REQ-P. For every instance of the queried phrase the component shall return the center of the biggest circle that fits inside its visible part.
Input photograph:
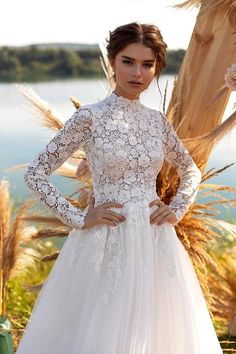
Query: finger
(158, 212)
(170, 217)
(161, 218)
(166, 219)
(156, 202)
(91, 202)
(171, 220)
(114, 215)
(108, 221)
(112, 204)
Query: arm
(75, 133)
(190, 175)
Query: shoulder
(84, 114)
(81, 118)
(92, 109)
(156, 115)
(162, 119)
(152, 111)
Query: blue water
(22, 136)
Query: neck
(120, 92)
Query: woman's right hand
(101, 215)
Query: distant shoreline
(40, 62)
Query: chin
(135, 90)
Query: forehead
(137, 51)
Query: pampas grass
(50, 117)
(209, 5)
(14, 259)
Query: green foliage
(175, 58)
(33, 63)
(228, 343)
(21, 301)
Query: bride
(123, 283)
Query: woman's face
(135, 63)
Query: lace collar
(123, 101)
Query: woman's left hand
(162, 214)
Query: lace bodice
(125, 143)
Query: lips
(135, 82)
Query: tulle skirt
(125, 289)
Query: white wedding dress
(130, 288)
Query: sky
(76, 21)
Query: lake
(22, 136)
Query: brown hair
(148, 35)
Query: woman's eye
(149, 65)
(127, 61)
(130, 62)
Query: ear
(112, 62)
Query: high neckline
(123, 101)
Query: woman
(123, 282)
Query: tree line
(32, 63)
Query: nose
(136, 71)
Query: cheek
(122, 72)
(149, 75)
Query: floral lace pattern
(125, 143)
(167, 255)
(190, 176)
(75, 133)
(114, 266)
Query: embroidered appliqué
(125, 143)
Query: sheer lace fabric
(130, 288)
(126, 144)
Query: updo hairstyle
(147, 34)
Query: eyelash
(129, 61)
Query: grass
(20, 301)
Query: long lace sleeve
(190, 175)
(75, 133)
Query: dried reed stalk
(13, 258)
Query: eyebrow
(146, 61)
